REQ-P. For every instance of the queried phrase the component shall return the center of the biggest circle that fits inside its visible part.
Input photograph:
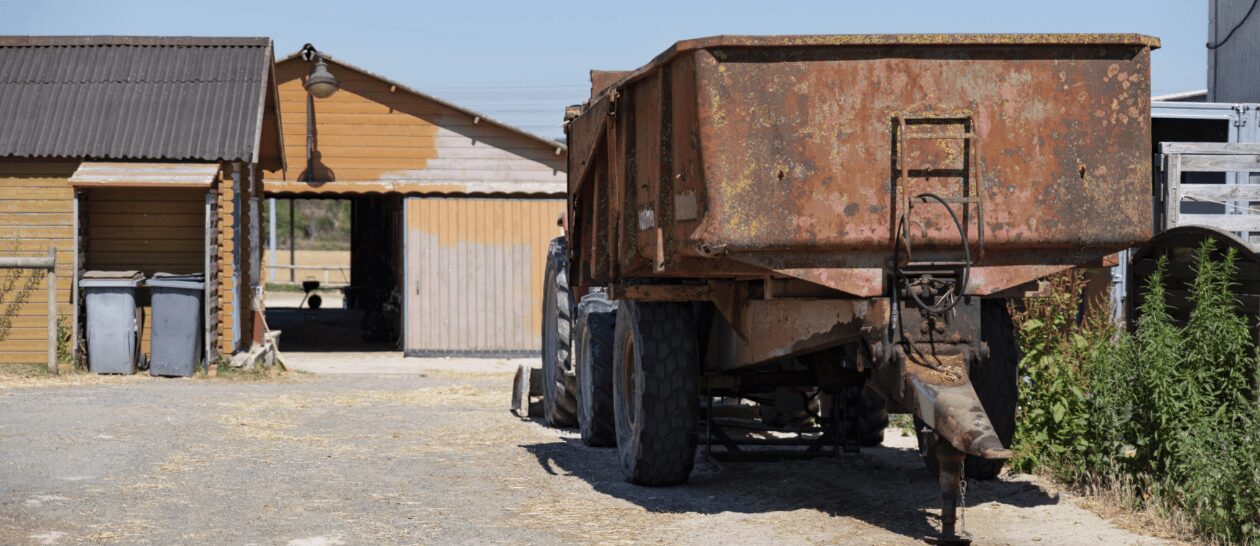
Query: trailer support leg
(951, 461)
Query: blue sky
(522, 62)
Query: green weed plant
(1168, 411)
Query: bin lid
(194, 281)
(111, 279)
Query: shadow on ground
(883, 486)
(322, 330)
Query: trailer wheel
(593, 355)
(996, 384)
(873, 417)
(559, 405)
(655, 392)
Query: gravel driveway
(429, 454)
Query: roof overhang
(93, 174)
(417, 187)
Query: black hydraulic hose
(966, 273)
(1236, 27)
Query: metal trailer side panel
(734, 157)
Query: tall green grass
(1168, 412)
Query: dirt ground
(385, 450)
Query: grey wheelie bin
(177, 318)
(114, 320)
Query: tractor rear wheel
(593, 358)
(655, 391)
(559, 404)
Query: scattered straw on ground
(505, 377)
(19, 376)
(592, 520)
(1116, 506)
(455, 396)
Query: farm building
(451, 211)
(136, 153)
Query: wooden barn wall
(36, 211)
(147, 229)
(474, 270)
(370, 138)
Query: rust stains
(792, 150)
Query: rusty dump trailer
(800, 221)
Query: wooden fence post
(52, 310)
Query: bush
(1169, 410)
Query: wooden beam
(139, 184)
(1226, 222)
(1220, 162)
(1209, 148)
(1221, 192)
(43, 262)
(52, 311)
(546, 189)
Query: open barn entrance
(333, 272)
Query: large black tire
(997, 384)
(655, 391)
(559, 403)
(593, 355)
(872, 417)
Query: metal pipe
(310, 138)
(951, 466)
(43, 262)
(292, 242)
(74, 285)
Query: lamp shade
(320, 83)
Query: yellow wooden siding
(150, 230)
(366, 132)
(475, 268)
(36, 211)
(351, 120)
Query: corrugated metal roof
(133, 97)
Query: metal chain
(962, 497)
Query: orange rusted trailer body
(798, 156)
(822, 194)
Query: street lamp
(320, 83)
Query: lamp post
(320, 83)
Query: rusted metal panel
(768, 330)
(602, 79)
(663, 292)
(112, 97)
(473, 274)
(798, 155)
